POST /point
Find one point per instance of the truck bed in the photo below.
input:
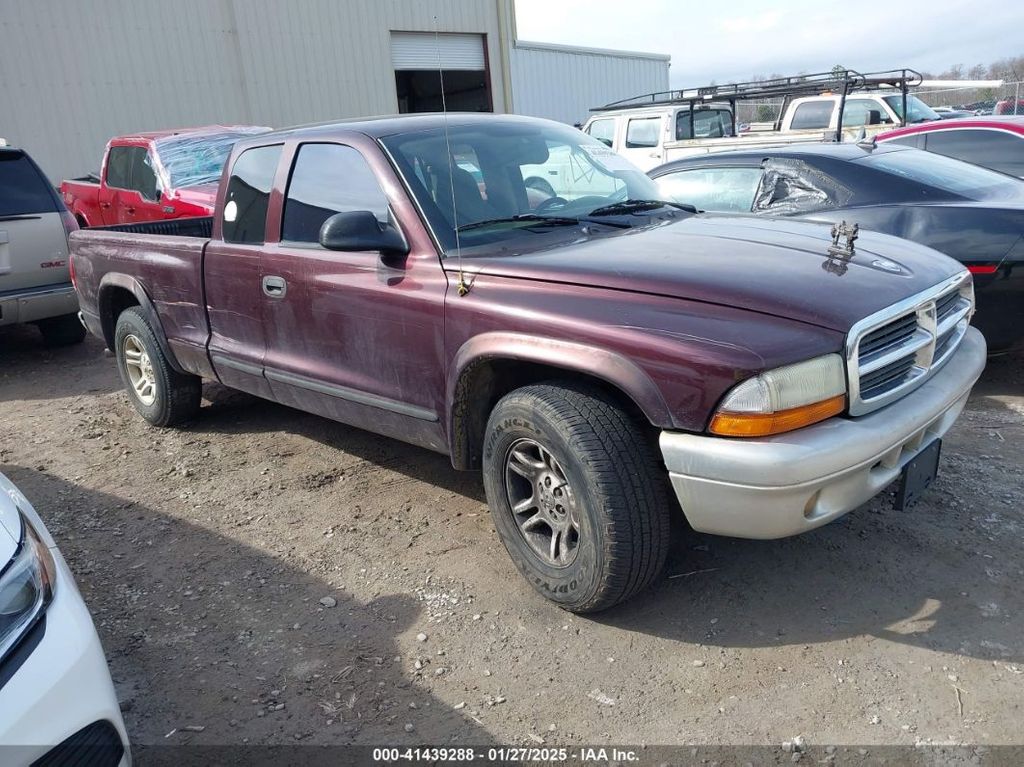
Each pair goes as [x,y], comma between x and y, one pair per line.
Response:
[162,258]
[201,226]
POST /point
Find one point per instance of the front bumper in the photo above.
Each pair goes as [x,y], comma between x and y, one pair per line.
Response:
[62,685]
[778,486]
[35,304]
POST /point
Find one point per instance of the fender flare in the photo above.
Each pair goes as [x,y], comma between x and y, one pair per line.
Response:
[572,357]
[113,280]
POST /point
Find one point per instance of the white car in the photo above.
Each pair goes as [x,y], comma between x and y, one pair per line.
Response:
[57,702]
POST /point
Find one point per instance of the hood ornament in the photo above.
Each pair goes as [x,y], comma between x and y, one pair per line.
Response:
[838,232]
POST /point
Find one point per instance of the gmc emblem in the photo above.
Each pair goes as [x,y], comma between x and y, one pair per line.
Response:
[52,264]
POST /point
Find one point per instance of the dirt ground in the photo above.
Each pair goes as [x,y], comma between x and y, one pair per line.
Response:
[206,556]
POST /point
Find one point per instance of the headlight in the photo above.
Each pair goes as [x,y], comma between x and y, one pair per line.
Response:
[26,587]
[783,399]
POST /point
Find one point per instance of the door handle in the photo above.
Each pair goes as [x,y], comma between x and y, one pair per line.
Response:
[274,287]
[130,210]
[104,204]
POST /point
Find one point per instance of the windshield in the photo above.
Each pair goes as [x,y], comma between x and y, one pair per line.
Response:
[194,159]
[917,110]
[945,173]
[510,176]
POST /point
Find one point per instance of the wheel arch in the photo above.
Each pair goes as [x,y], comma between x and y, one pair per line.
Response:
[118,292]
[490,365]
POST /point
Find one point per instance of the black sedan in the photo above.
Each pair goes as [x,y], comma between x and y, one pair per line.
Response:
[970,213]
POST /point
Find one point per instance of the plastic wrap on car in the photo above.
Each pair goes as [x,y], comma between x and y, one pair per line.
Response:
[197,157]
[792,186]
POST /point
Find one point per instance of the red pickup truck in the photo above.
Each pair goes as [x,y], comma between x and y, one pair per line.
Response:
[155,176]
[605,359]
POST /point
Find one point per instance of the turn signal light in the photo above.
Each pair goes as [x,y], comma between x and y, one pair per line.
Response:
[728,424]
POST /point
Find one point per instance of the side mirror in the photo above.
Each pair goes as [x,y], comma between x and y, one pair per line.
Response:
[359,230]
[874,117]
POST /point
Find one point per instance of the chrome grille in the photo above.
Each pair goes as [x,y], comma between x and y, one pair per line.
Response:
[895,350]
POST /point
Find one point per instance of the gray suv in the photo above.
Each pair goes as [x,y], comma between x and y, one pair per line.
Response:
[35,279]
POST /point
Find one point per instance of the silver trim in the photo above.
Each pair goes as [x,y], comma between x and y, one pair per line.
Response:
[922,346]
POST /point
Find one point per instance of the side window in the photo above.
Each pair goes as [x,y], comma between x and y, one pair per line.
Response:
[603,131]
[915,140]
[728,190]
[643,132]
[990,148]
[812,114]
[245,209]
[143,177]
[119,166]
[328,179]
[859,112]
[707,123]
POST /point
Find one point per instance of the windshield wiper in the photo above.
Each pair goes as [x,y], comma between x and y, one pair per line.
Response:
[531,217]
[633,206]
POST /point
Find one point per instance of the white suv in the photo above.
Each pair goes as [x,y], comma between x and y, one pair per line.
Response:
[35,280]
[57,703]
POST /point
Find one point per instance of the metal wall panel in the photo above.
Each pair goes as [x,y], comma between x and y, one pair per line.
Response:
[74,73]
[564,83]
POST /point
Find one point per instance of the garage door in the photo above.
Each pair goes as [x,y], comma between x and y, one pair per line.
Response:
[422,50]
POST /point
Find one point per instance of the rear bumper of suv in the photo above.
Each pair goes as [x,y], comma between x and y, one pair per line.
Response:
[778,486]
[33,304]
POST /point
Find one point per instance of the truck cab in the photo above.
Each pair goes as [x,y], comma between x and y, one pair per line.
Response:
[644,135]
[874,112]
[154,176]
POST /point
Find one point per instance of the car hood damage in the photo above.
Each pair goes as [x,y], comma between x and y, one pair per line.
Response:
[770,266]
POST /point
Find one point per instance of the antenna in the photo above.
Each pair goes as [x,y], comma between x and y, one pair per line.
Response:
[463,288]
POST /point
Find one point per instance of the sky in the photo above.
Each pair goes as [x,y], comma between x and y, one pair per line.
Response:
[734,40]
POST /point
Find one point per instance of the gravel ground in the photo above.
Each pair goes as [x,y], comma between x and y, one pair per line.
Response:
[273,577]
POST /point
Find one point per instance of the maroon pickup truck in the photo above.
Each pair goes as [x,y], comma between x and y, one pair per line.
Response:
[604,358]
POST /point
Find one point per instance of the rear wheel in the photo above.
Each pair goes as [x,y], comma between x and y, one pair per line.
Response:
[161,394]
[577,495]
[64,330]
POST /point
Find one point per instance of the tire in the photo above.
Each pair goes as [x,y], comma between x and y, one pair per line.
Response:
[165,397]
[615,505]
[64,330]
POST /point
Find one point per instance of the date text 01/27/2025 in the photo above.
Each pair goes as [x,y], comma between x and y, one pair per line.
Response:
[504,754]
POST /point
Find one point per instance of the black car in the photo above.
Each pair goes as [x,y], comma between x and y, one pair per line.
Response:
[970,213]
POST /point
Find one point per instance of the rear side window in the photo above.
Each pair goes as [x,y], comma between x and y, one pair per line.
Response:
[23,189]
[245,209]
[990,148]
[707,123]
[119,164]
[328,179]
[812,114]
[603,131]
[643,132]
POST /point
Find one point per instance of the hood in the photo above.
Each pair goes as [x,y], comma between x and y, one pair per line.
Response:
[202,195]
[773,266]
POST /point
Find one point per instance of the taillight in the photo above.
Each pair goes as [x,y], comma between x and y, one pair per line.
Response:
[70,224]
[982,268]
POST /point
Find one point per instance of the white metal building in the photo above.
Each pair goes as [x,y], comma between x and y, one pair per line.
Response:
[74,74]
[563,82]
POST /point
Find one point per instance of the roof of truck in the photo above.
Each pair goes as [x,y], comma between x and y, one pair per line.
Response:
[388,125]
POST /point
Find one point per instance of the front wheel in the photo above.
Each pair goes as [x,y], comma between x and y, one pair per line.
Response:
[577,495]
[161,394]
